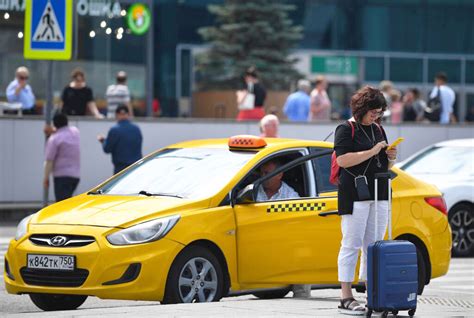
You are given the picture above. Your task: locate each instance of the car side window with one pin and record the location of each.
(295, 183)
(322, 171)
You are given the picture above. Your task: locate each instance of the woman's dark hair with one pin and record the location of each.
(60, 120)
(365, 99)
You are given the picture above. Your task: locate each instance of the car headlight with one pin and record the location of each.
(144, 232)
(22, 227)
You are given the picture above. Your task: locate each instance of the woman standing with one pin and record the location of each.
(77, 97)
(360, 149)
(252, 86)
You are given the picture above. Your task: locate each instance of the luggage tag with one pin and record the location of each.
(362, 188)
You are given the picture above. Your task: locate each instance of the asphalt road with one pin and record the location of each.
(448, 296)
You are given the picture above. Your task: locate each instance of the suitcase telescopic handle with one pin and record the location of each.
(383, 175)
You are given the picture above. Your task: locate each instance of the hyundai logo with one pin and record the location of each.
(58, 241)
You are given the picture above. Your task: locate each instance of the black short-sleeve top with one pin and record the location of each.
(75, 100)
(345, 143)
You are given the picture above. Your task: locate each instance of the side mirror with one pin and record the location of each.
(246, 195)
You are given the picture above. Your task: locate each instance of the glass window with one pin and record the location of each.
(451, 67)
(470, 72)
(374, 69)
(322, 167)
(295, 178)
(443, 160)
(190, 173)
(406, 70)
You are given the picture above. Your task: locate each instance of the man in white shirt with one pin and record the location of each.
(447, 97)
(274, 188)
(118, 94)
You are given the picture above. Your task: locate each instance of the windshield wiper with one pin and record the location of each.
(148, 194)
(95, 192)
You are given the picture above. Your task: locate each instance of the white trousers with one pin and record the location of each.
(358, 232)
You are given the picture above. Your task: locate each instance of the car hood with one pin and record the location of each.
(113, 211)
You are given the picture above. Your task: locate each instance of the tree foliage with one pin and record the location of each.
(249, 33)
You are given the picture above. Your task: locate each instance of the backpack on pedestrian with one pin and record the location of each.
(433, 109)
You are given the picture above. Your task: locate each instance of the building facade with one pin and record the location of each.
(353, 42)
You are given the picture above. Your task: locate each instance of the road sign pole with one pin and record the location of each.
(47, 116)
(149, 64)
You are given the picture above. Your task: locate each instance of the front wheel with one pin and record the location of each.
(195, 276)
(461, 219)
(50, 302)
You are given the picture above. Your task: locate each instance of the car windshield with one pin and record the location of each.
(443, 160)
(190, 173)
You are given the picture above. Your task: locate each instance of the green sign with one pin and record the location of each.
(337, 65)
(138, 18)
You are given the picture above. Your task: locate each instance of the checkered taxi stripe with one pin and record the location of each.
(296, 207)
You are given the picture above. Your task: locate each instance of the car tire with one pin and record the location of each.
(186, 281)
(461, 220)
(421, 271)
(51, 302)
(272, 294)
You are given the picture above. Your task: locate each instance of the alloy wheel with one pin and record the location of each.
(198, 281)
(462, 227)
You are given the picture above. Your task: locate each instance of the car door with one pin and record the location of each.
(286, 241)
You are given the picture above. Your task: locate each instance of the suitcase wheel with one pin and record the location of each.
(369, 313)
(385, 314)
(411, 312)
(395, 312)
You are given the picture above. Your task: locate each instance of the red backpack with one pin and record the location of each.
(334, 177)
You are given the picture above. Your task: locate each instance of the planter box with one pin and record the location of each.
(223, 104)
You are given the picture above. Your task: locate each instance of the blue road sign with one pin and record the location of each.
(48, 29)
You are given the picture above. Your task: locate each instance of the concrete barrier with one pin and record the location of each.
(22, 146)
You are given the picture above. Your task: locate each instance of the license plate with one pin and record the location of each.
(57, 262)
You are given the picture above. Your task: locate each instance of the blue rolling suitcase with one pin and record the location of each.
(392, 270)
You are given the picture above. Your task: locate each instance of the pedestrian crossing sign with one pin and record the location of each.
(48, 29)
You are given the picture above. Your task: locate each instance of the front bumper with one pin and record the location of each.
(103, 261)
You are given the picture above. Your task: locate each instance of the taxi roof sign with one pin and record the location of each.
(246, 142)
(48, 29)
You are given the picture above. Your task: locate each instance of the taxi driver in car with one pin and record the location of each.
(276, 189)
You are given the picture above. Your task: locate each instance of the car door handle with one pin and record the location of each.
(324, 214)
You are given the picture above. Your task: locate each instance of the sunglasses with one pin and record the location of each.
(23, 77)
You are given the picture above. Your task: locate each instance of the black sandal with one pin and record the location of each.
(350, 306)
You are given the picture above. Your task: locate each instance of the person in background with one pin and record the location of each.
(19, 91)
(320, 109)
(396, 110)
(62, 158)
(447, 96)
(77, 97)
(297, 104)
(252, 86)
(117, 94)
(124, 140)
(386, 87)
(269, 126)
(413, 106)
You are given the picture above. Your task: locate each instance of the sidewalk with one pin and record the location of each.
(323, 303)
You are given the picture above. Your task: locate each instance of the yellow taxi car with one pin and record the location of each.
(184, 225)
